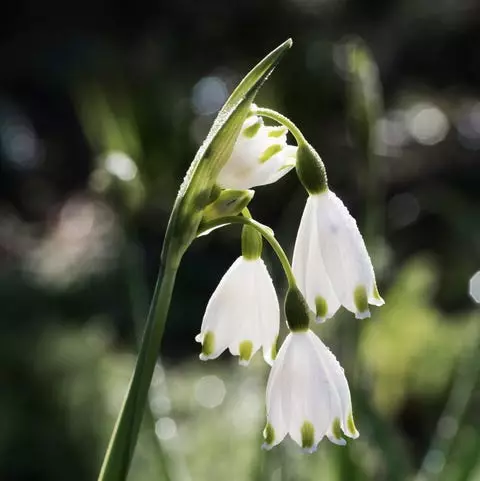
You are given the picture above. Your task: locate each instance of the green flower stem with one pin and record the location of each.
(264, 231)
(310, 168)
(286, 122)
(122, 443)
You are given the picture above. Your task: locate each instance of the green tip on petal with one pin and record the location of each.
(335, 434)
(360, 299)
(208, 346)
(245, 350)
(277, 131)
(308, 435)
(269, 152)
(273, 352)
(377, 296)
(253, 129)
(336, 429)
(351, 426)
(286, 166)
(269, 434)
(321, 308)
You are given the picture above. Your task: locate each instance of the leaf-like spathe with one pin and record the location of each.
(195, 191)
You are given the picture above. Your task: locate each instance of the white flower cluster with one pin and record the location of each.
(307, 393)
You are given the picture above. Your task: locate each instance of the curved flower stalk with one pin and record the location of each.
(260, 156)
(242, 315)
(330, 260)
(307, 395)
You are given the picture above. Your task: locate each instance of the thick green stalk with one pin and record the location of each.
(138, 292)
(122, 443)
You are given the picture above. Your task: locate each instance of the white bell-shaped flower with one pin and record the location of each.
(243, 314)
(260, 156)
(330, 260)
(307, 395)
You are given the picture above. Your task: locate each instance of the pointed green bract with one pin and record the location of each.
(228, 202)
(195, 191)
(308, 435)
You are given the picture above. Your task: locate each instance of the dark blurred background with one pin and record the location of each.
(102, 107)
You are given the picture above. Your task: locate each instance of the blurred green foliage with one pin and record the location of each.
(81, 231)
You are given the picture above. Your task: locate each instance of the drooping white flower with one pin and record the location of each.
(307, 395)
(243, 314)
(260, 156)
(330, 260)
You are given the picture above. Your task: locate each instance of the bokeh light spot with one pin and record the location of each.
(427, 124)
(165, 429)
(208, 96)
(468, 127)
(391, 130)
(19, 142)
(121, 165)
(160, 403)
(210, 391)
(474, 287)
(434, 461)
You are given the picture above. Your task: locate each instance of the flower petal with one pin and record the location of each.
(344, 253)
(339, 385)
(242, 314)
(309, 268)
(277, 387)
(307, 394)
